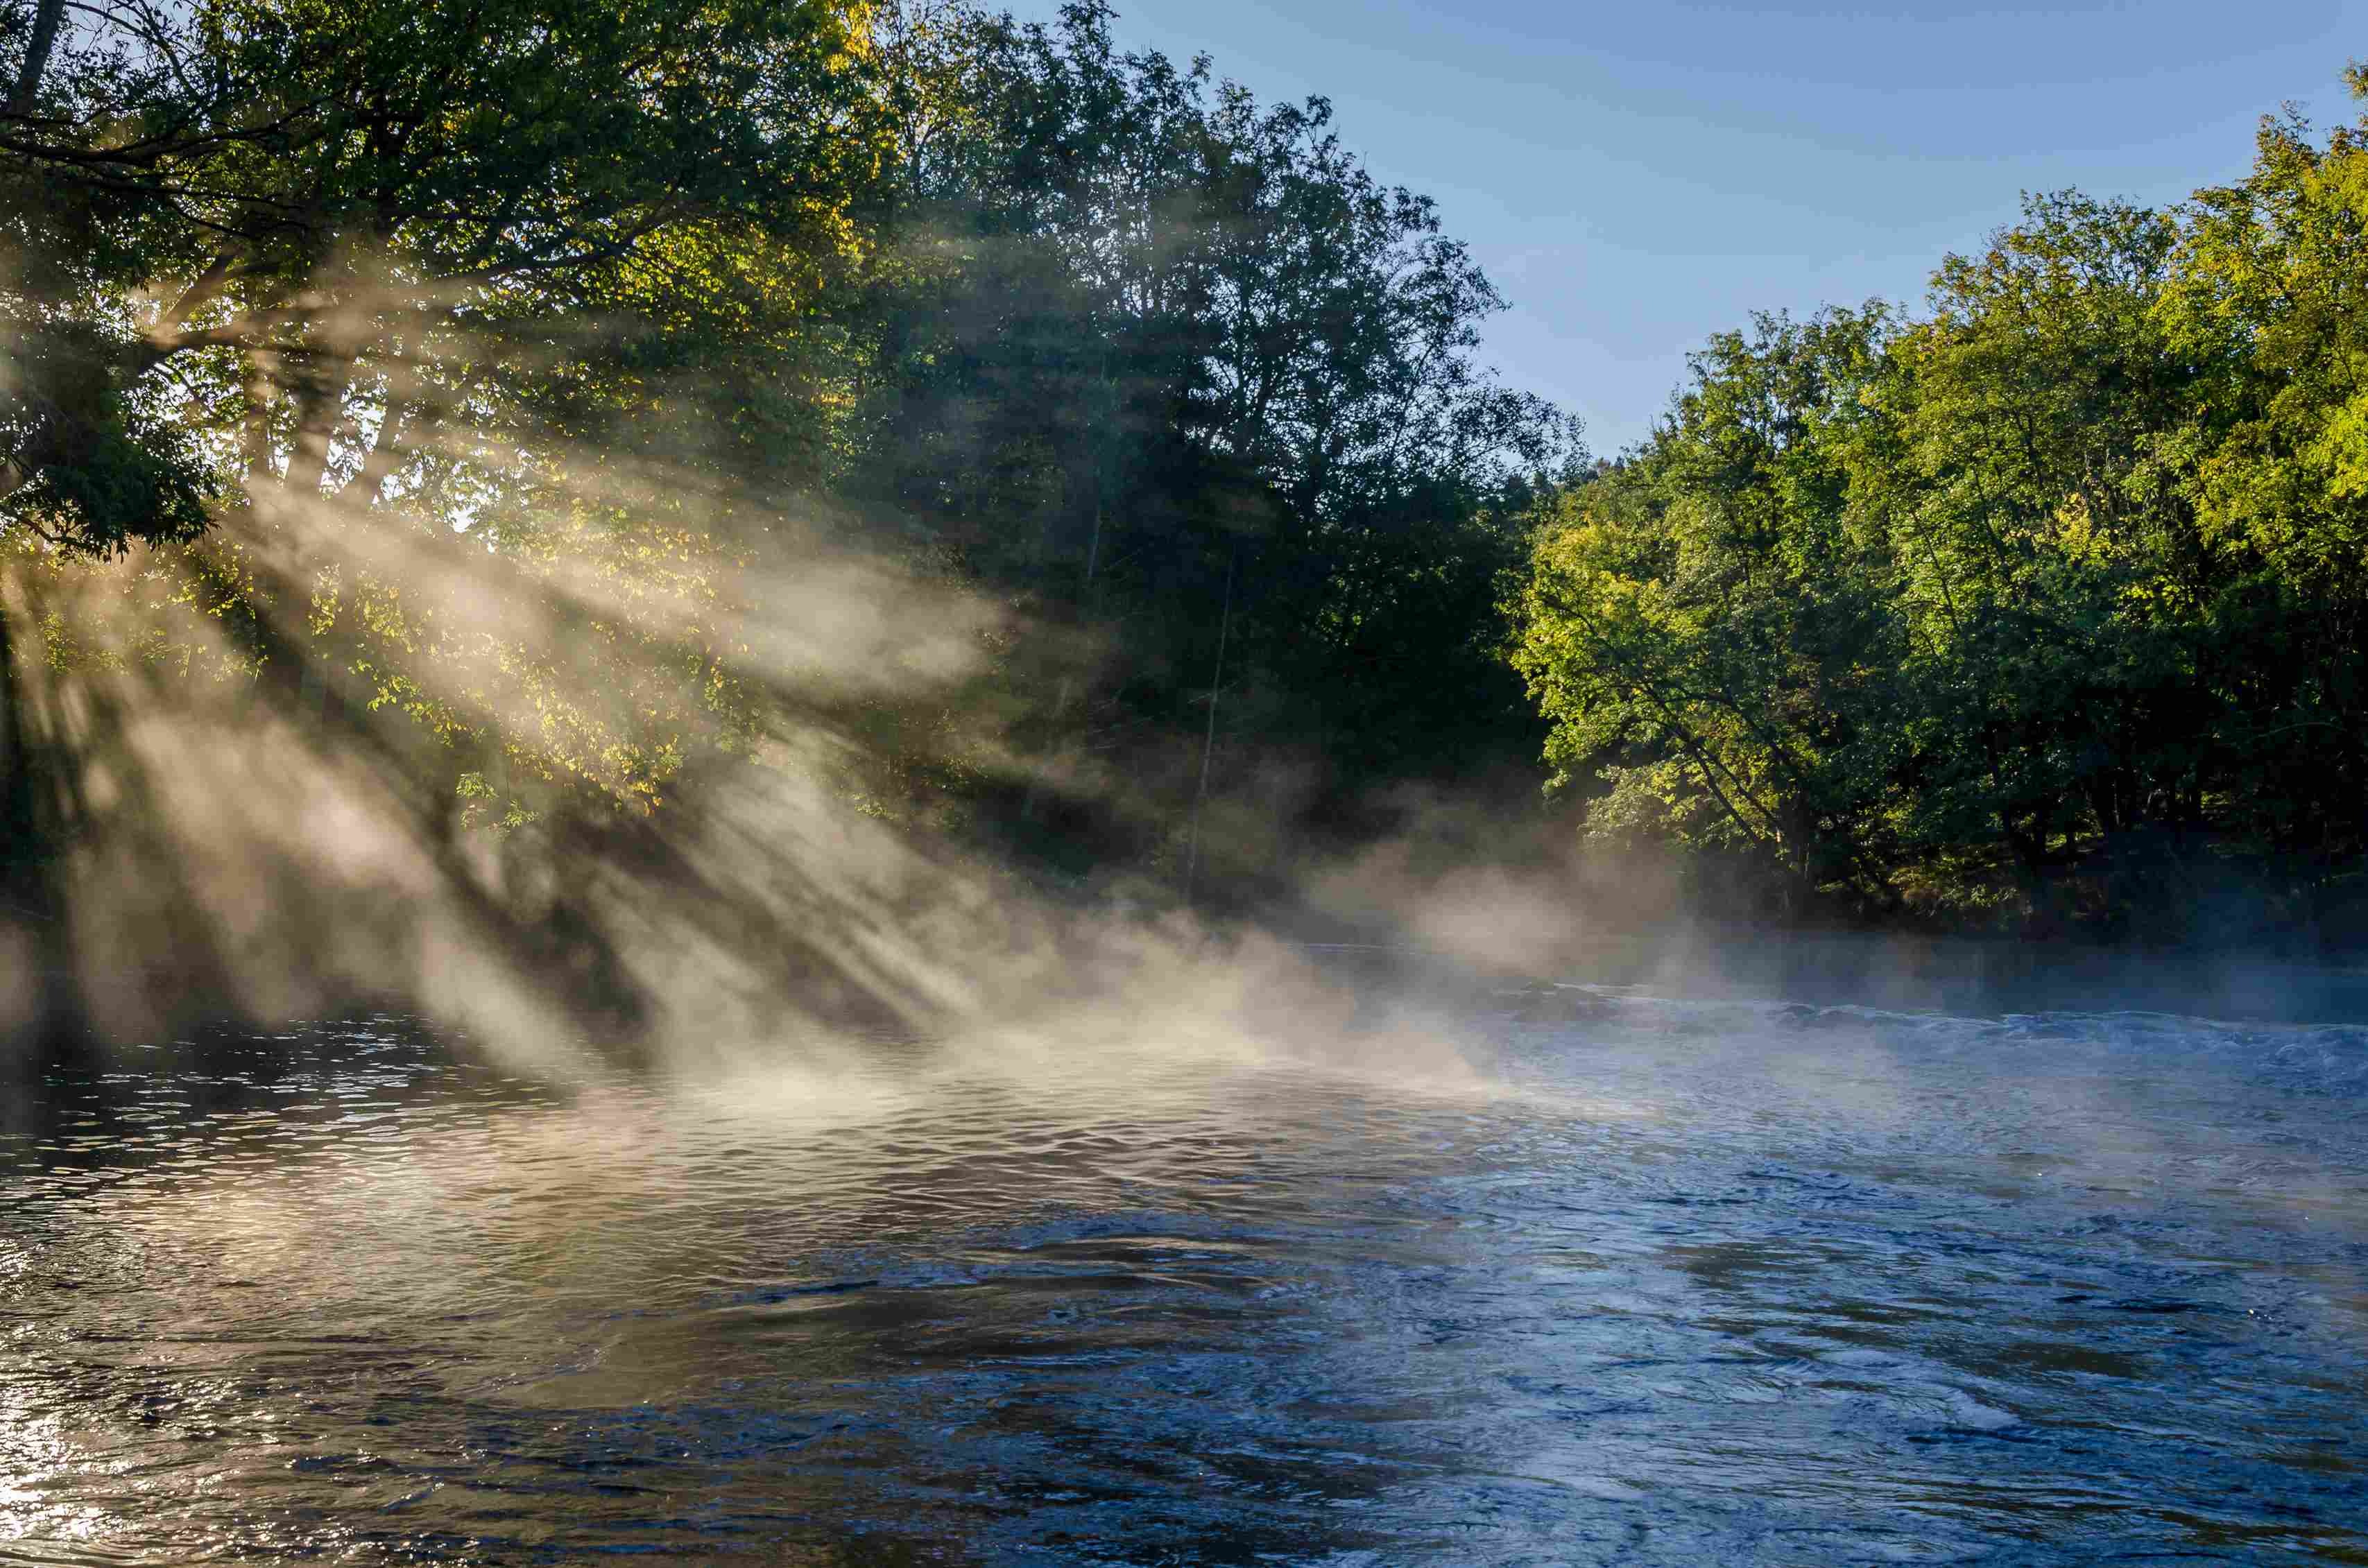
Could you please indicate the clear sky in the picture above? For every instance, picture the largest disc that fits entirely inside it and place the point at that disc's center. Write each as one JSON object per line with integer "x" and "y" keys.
{"x": 1636, "y": 175}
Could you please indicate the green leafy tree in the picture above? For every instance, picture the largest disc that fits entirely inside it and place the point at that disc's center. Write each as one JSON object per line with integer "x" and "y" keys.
{"x": 1171, "y": 367}
{"x": 2042, "y": 606}
{"x": 2268, "y": 302}
{"x": 412, "y": 304}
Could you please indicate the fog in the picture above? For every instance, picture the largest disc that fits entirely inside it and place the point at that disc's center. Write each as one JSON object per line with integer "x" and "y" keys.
{"x": 347, "y": 752}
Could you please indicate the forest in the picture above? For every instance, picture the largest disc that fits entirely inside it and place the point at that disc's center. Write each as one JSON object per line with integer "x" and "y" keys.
{"x": 2040, "y": 608}
{"x": 572, "y": 408}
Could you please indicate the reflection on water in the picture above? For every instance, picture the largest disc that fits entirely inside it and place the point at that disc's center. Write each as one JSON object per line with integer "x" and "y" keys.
{"x": 1678, "y": 1284}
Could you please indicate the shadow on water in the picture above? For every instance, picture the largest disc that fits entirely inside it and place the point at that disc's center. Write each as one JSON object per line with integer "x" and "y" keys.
{"x": 1964, "y": 977}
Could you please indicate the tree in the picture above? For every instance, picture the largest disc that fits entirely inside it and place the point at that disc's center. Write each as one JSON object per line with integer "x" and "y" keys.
{"x": 416, "y": 303}
{"x": 2268, "y": 300}
{"x": 1163, "y": 365}
{"x": 2042, "y": 606}
{"x": 1711, "y": 626}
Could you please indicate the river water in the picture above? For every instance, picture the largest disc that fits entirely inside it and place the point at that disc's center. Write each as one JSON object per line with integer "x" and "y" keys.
{"x": 1666, "y": 1282}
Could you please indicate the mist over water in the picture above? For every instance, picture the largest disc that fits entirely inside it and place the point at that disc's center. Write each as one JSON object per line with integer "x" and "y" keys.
{"x": 769, "y": 793}
{"x": 1640, "y": 1280}
{"x": 742, "y": 1172}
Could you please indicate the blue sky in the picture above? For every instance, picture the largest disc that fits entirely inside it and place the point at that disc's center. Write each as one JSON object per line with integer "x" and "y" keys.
{"x": 1638, "y": 176}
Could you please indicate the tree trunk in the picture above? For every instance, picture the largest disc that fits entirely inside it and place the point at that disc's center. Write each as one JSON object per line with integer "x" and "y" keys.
{"x": 1208, "y": 738}
{"x": 44, "y": 38}
{"x": 255, "y": 436}
{"x": 319, "y": 401}
{"x": 29, "y": 894}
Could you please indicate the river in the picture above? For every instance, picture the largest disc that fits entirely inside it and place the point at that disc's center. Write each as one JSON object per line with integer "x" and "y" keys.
{"x": 1646, "y": 1281}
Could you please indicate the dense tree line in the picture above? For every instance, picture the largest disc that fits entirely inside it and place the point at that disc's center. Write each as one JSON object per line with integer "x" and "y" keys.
{"x": 490, "y": 385}
{"x": 320, "y": 319}
{"x": 2041, "y": 608}
{"x": 1172, "y": 368}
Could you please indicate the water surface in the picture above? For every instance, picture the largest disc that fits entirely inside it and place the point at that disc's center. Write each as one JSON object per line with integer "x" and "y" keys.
{"x": 1679, "y": 1283}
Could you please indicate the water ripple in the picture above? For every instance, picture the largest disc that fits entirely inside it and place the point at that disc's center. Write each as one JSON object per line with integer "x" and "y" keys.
{"x": 1663, "y": 1283}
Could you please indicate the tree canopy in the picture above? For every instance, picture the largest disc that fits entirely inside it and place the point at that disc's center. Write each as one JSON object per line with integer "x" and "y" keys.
{"x": 2040, "y": 605}
{"x": 508, "y": 382}
{"x": 499, "y": 390}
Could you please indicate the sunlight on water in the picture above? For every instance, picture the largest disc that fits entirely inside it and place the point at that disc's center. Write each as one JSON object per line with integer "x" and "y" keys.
{"x": 1683, "y": 1283}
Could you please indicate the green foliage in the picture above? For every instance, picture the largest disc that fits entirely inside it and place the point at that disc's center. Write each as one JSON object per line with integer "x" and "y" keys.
{"x": 1171, "y": 367}
{"x": 87, "y": 463}
{"x": 447, "y": 311}
{"x": 465, "y": 367}
{"x": 2044, "y": 607}
{"x": 498, "y": 352}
